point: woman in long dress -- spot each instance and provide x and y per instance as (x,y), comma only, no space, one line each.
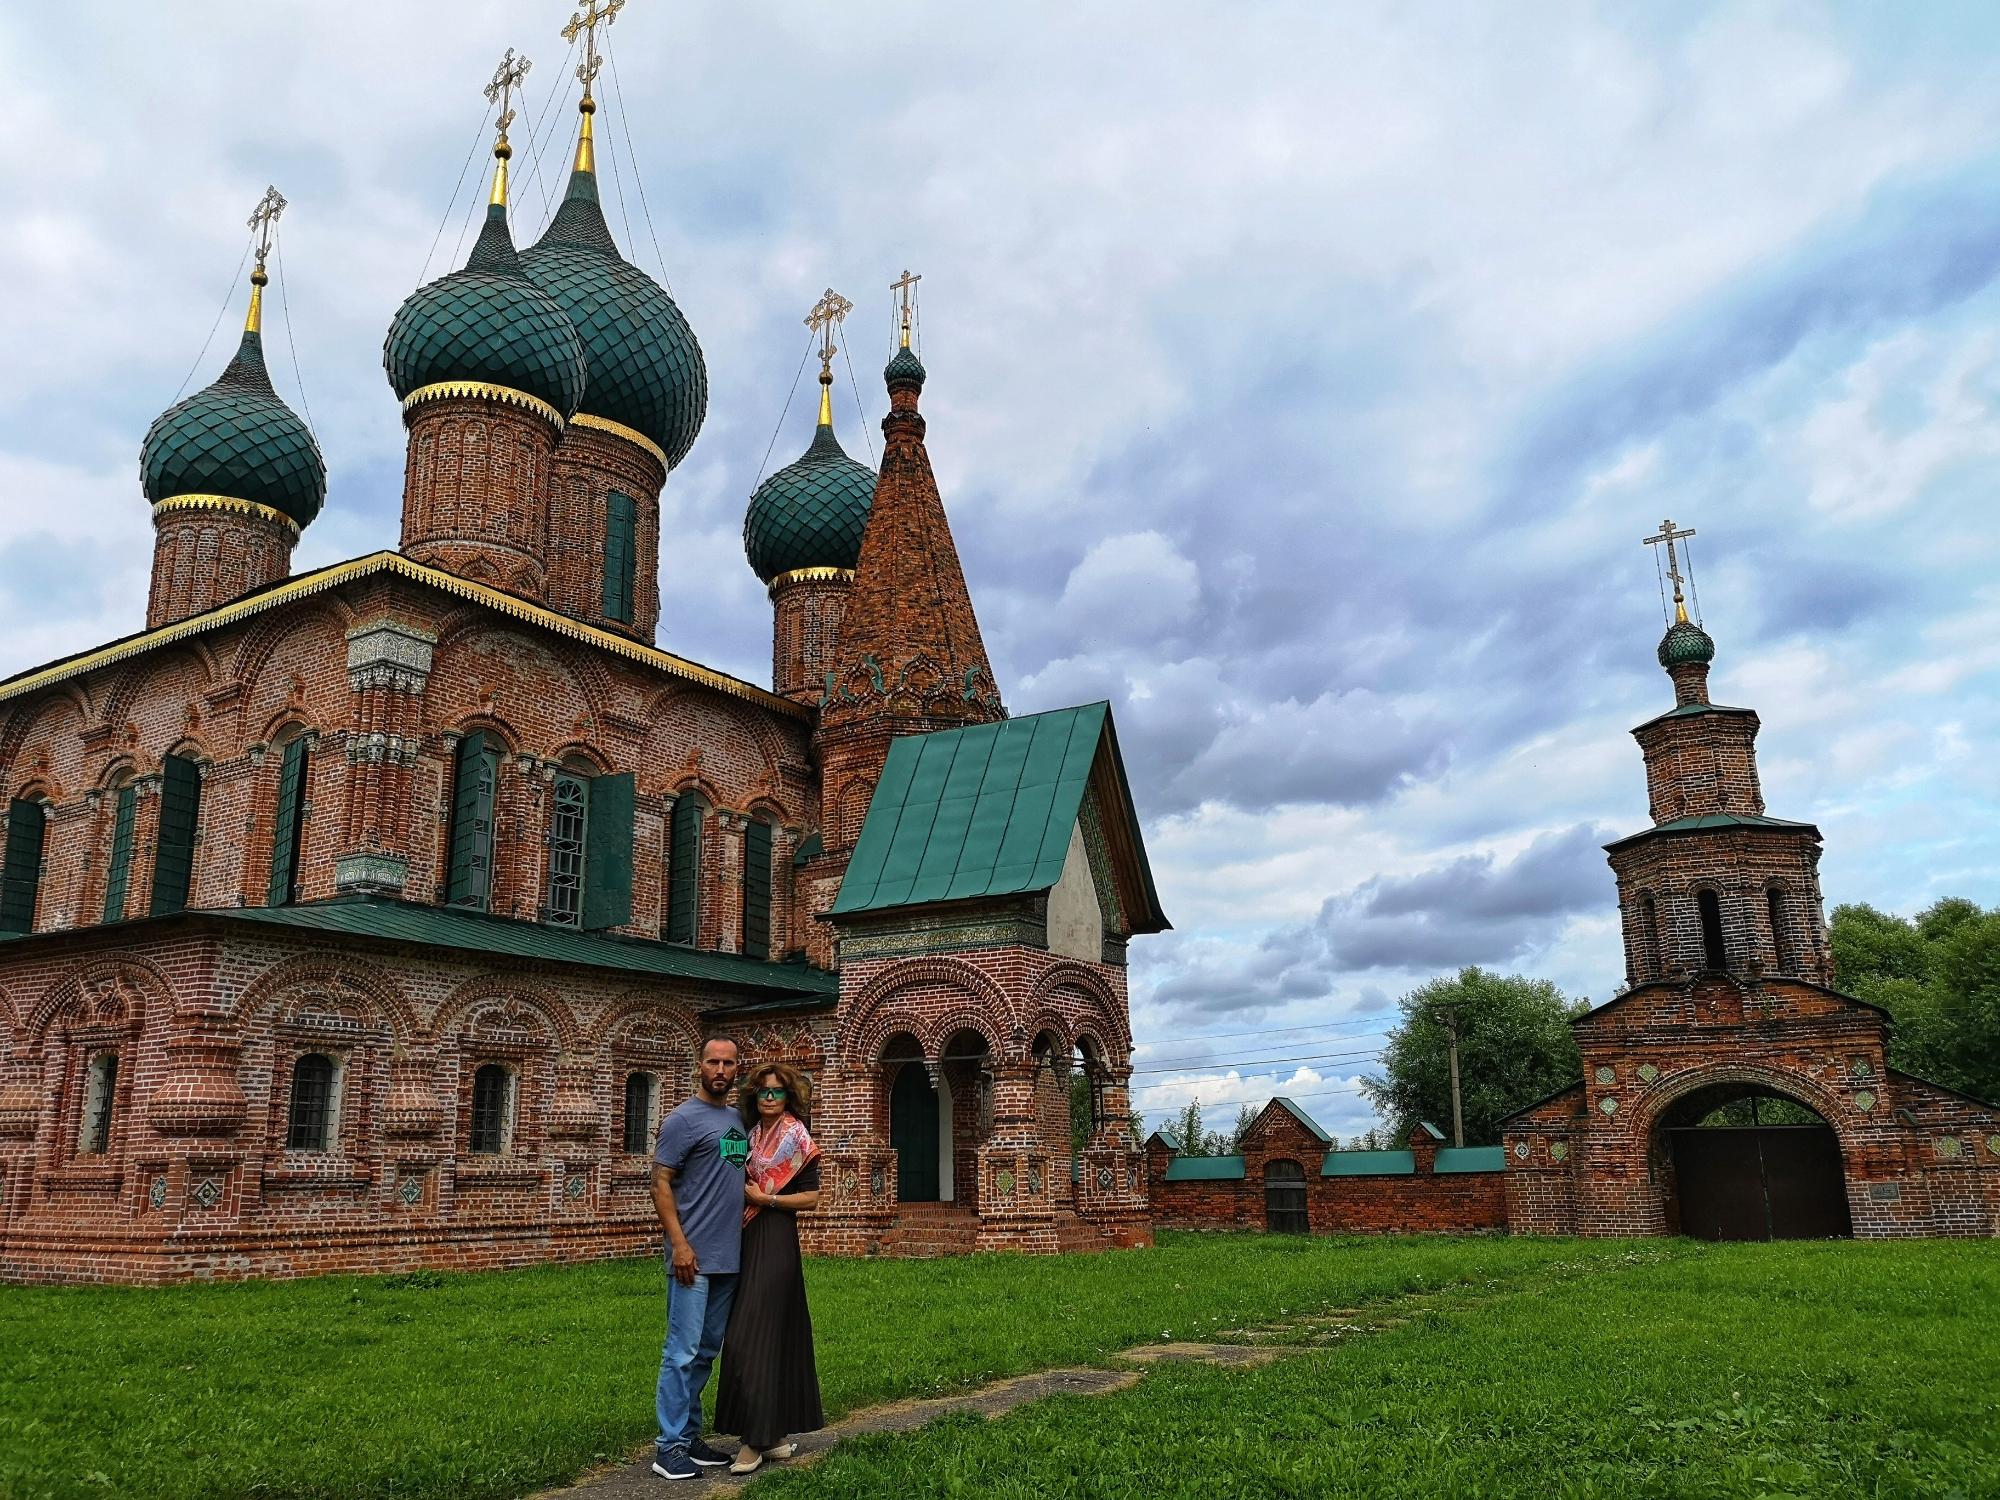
(770,1385)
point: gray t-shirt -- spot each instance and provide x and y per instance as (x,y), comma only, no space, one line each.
(705,1146)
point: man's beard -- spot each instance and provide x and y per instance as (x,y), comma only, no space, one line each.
(714,1089)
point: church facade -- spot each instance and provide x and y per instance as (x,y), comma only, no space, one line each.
(372,916)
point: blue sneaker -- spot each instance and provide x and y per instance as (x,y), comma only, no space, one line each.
(709,1458)
(674,1463)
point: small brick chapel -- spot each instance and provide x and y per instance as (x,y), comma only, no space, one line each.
(371,917)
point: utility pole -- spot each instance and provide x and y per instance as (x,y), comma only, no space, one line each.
(1450,1018)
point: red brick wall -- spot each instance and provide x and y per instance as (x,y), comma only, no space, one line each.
(476,491)
(205,557)
(590,463)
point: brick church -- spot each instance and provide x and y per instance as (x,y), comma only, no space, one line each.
(372,916)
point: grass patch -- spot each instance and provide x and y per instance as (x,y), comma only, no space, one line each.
(492,1385)
(1728,1371)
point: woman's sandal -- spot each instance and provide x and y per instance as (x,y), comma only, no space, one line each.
(739,1466)
(783,1450)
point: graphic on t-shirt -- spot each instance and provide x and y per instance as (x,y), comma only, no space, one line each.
(734,1146)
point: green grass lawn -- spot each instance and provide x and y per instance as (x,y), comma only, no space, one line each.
(1609,1367)
(1752,1371)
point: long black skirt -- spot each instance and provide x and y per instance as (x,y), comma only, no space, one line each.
(770,1385)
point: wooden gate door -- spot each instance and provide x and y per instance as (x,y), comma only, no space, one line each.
(1285,1198)
(1760,1182)
(913,1133)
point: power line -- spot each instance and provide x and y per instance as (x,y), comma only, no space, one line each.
(1218,1036)
(1254,1062)
(1298,1041)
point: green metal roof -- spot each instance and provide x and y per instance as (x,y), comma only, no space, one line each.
(1697,710)
(1304,1119)
(1470,1159)
(1707,821)
(986,811)
(441,927)
(1368,1164)
(1205,1169)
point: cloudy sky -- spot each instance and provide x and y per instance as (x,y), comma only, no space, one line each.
(1303,378)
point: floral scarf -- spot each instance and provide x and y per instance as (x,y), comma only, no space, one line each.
(778,1153)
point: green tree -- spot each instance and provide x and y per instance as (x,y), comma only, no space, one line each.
(1514,1046)
(1186,1128)
(1938,976)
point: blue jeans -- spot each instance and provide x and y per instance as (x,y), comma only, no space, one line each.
(696,1318)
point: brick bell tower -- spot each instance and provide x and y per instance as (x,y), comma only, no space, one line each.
(645,394)
(1714,884)
(489,369)
(802,535)
(232,473)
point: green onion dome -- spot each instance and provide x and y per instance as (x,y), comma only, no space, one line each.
(904,369)
(810,514)
(1685,642)
(236,440)
(488,325)
(646,372)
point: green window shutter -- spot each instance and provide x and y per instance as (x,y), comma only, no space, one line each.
(757,889)
(683,870)
(289,829)
(119,874)
(621,555)
(469,877)
(22,872)
(607,853)
(173,854)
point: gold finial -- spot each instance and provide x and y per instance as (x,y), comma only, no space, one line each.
(1669,535)
(506,78)
(827,315)
(585,23)
(262,217)
(906,290)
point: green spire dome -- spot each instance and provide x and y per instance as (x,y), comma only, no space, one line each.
(487,323)
(810,514)
(236,439)
(904,369)
(1685,642)
(645,368)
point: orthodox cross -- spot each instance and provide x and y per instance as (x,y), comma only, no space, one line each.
(262,217)
(827,315)
(585,23)
(905,289)
(1669,535)
(506,78)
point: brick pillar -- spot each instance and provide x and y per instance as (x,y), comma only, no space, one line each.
(806,609)
(1015,1207)
(857,1203)
(722,872)
(476,490)
(593,459)
(388,666)
(1115,1192)
(209,550)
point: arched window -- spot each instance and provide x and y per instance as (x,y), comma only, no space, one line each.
(757,888)
(640,1091)
(590,848)
(569,820)
(621,556)
(1782,953)
(1649,938)
(475,782)
(313,1116)
(492,1110)
(289,827)
(100,1098)
(180,821)
(1713,955)
(118,869)
(21,875)
(684,870)
(1285,1198)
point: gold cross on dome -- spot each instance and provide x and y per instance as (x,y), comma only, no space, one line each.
(827,315)
(585,23)
(262,217)
(1669,535)
(905,288)
(506,78)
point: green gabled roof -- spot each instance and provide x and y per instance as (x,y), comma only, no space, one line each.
(1303,1118)
(1705,822)
(1205,1169)
(1470,1159)
(1368,1164)
(987,810)
(475,932)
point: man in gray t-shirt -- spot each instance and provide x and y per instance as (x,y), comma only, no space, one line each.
(698,1193)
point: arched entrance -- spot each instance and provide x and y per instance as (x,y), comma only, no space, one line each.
(913,1123)
(1745,1162)
(1285,1198)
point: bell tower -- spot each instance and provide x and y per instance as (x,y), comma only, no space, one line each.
(1715,884)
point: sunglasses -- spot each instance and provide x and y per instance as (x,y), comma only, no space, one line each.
(770,1093)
